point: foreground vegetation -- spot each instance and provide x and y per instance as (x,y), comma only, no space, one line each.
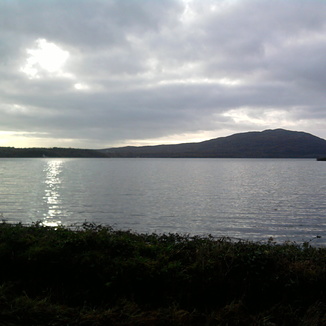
(98,276)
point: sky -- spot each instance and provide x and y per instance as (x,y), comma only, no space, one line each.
(107,73)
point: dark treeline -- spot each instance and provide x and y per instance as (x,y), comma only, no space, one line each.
(48,152)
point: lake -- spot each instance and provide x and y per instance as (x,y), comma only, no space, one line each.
(252,199)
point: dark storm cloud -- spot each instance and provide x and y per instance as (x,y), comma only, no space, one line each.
(142,70)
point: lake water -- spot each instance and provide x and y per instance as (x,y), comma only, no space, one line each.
(239,198)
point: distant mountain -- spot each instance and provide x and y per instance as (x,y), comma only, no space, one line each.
(278,143)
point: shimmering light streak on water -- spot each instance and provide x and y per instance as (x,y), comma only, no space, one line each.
(244,198)
(52,200)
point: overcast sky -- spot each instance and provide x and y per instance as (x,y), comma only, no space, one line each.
(104,73)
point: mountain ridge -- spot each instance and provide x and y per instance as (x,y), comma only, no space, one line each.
(277,143)
(270,143)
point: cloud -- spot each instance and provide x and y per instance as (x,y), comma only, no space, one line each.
(104,73)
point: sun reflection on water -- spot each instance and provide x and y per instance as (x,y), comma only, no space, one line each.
(51,197)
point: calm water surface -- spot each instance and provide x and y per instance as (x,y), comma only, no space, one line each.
(241,198)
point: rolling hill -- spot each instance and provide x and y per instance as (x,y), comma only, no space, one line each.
(278,143)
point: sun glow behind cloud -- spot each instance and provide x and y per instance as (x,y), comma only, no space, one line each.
(45,57)
(81,86)
(46,60)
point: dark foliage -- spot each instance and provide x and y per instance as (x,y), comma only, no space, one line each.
(94,275)
(48,152)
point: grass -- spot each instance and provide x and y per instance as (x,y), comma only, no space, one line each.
(99,276)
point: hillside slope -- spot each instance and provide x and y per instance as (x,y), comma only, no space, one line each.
(278,143)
